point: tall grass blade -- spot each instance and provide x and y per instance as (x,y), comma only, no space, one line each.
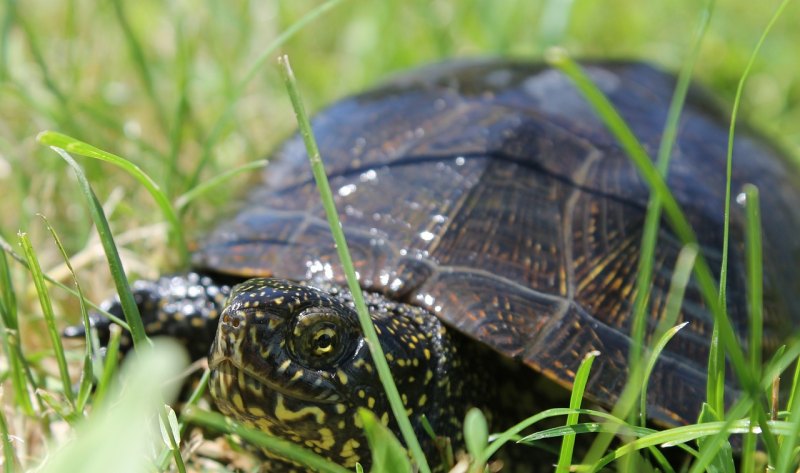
(653,357)
(84,388)
(381,365)
(578,388)
(651,226)
(9,334)
(711,445)
(109,365)
(129,307)
(731,134)
(666,328)
(573,429)
(10,461)
(787,455)
(513,432)
(729,165)
(49,316)
(170,433)
(755,304)
(7,250)
(794,394)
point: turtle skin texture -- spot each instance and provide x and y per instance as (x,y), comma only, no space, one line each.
(495,225)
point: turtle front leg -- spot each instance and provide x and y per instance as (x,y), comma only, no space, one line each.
(183,306)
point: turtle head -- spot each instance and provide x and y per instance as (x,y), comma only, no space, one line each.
(291,360)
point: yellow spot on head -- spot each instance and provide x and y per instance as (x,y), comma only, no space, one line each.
(342,376)
(428,376)
(348,452)
(256,411)
(285,414)
(238,402)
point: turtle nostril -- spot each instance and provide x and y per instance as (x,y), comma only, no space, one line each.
(231,321)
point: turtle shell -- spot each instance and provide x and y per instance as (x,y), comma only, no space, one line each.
(489,193)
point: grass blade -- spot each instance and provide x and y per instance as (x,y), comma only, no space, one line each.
(723,276)
(653,357)
(127,302)
(731,134)
(581,378)
(86,375)
(10,461)
(573,429)
(666,327)
(49,316)
(711,446)
(371,336)
(755,303)
(110,364)
(72,145)
(9,334)
(652,222)
(283,448)
(7,250)
(511,434)
(786,461)
(171,435)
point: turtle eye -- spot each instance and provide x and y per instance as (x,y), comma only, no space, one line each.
(320,338)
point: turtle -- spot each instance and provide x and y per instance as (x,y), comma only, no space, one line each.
(495,225)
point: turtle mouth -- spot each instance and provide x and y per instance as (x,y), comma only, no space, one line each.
(230,376)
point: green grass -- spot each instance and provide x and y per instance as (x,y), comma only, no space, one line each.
(186,96)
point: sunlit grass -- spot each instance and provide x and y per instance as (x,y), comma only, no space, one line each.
(189,95)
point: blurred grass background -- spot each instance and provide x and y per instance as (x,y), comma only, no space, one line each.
(71,66)
(149,79)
